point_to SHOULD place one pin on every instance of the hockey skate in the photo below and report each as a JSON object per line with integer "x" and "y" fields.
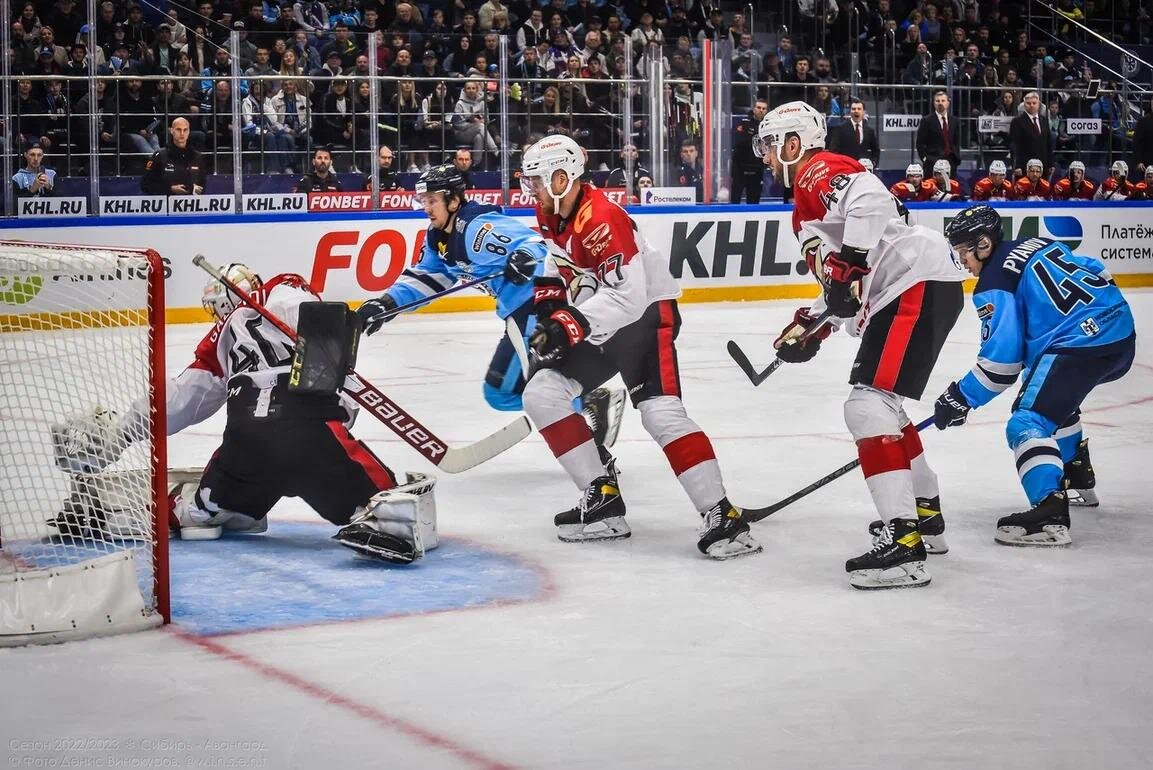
{"x": 194, "y": 523}
{"x": 930, "y": 523}
{"x": 724, "y": 534}
{"x": 603, "y": 409}
{"x": 600, "y": 515}
{"x": 1045, "y": 524}
{"x": 1080, "y": 479}
{"x": 896, "y": 561}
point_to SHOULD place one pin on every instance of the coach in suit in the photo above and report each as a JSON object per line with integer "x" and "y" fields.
{"x": 939, "y": 135}
{"x": 1029, "y": 137}
{"x": 854, "y": 137}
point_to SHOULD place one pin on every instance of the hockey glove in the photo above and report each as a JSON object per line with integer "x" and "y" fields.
{"x": 841, "y": 272}
{"x": 376, "y": 312}
{"x": 556, "y": 335}
{"x": 951, "y": 408}
{"x": 520, "y": 267}
{"x": 548, "y": 294}
{"x": 790, "y": 348}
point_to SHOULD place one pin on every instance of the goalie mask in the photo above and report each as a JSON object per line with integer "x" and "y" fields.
{"x": 219, "y": 300}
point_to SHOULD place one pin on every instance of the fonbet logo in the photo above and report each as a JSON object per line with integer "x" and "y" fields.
{"x": 15, "y": 290}
{"x": 1065, "y": 229}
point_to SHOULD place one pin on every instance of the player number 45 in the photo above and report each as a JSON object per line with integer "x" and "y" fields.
{"x": 1071, "y": 290}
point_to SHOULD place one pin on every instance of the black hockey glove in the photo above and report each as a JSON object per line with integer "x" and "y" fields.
{"x": 951, "y": 408}
{"x": 842, "y": 271}
{"x": 520, "y": 267}
{"x": 790, "y": 348}
{"x": 556, "y": 335}
{"x": 548, "y": 294}
{"x": 374, "y": 313}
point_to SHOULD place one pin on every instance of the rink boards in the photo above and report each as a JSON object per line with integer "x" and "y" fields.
{"x": 717, "y": 253}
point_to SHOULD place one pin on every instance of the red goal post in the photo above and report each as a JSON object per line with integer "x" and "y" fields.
{"x": 83, "y": 550}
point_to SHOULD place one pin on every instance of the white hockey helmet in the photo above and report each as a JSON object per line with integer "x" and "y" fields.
{"x": 1077, "y": 166}
{"x": 790, "y": 118}
{"x": 867, "y": 163}
{"x": 548, "y": 156}
{"x": 1035, "y": 163}
{"x": 914, "y": 169}
{"x": 1148, "y": 174}
{"x": 1120, "y": 167}
{"x": 997, "y": 167}
{"x": 942, "y": 167}
{"x": 219, "y": 300}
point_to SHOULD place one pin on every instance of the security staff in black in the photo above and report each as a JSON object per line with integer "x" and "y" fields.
{"x": 176, "y": 169}
{"x": 748, "y": 171}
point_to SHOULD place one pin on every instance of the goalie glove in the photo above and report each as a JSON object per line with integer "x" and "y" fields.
{"x": 789, "y": 346}
{"x": 842, "y": 271}
{"x": 557, "y": 334}
{"x": 88, "y": 443}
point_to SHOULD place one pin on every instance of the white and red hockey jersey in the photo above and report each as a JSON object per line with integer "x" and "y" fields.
{"x": 838, "y": 203}
{"x": 612, "y": 273}
{"x": 242, "y": 344}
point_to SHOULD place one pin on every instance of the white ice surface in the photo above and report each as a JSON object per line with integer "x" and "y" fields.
{"x": 645, "y": 655}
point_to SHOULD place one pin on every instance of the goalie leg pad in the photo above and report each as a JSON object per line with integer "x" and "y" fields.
{"x": 87, "y": 443}
{"x": 397, "y": 525}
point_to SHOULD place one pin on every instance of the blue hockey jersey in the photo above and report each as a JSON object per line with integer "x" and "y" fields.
{"x": 480, "y": 244}
{"x": 1035, "y": 295}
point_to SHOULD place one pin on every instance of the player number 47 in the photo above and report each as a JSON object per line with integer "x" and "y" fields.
{"x": 1070, "y": 291}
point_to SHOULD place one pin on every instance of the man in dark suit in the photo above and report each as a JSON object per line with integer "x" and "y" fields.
{"x": 748, "y": 171}
{"x": 854, "y": 137}
{"x": 939, "y": 135}
{"x": 1029, "y": 137}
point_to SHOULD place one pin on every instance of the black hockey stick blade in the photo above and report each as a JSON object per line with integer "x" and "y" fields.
{"x": 756, "y": 514}
{"x": 747, "y": 367}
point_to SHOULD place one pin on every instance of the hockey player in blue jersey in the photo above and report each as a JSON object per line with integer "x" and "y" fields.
{"x": 468, "y": 240}
{"x": 1060, "y": 318}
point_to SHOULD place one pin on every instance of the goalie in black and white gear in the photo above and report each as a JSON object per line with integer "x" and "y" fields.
{"x": 279, "y": 441}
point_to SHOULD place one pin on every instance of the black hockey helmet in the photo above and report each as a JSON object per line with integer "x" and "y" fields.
{"x": 445, "y": 178}
{"x": 966, "y": 228}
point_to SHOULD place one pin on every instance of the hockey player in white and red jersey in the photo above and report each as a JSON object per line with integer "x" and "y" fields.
{"x": 898, "y": 288}
{"x": 607, "y": 304}
{"x": 277, "y": 442}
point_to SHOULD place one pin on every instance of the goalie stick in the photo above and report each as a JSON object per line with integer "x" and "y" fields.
{"x": 756, "y": 514}
{"x": 396, "y": 419}
{"x": 750, "y": 371}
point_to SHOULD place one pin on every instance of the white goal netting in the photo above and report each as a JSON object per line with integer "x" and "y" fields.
{"x": 81, "y": 372}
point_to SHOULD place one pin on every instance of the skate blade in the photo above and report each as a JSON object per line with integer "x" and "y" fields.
{"x": 612, "y": 528}
{"x": 1051, "y": 536}
{"x": 742, "y": 545}
{"x": 935, "y": 544}
{"x": 909, "y": 575}
{"x": 1082, "y": 498}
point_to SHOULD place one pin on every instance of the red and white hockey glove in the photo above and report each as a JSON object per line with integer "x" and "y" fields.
{"x": 841, "y": 272}
{"x": 556, "y": 335}
{"x": 791, "y": 348}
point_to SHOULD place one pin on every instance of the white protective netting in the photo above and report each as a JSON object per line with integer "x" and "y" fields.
{"x": 81, "y": 366}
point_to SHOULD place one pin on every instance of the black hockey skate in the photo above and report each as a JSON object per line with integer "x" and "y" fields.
{"x": 896, "y": 561}
{"x": 724, "y": 534}
{"x": 1045, "y": 524}
{"x": 600, "y": 515}
{"x": 930, "y": 523}
{"x": 364, "y": 539}
{"x": 603, "y": 409}
{"x": 1080, "y": 479}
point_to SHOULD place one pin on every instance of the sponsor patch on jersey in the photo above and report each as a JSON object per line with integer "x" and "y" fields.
{"x": 597, "y": 240}
{"x": 1090, "y": 327}
{"x": 985, "y": 311}
{"x": 484, "y": 230}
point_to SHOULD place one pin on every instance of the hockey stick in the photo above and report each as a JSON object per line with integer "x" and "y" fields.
{"x": 514, "y": 336}
{"x": 434, "y": 297}
{"x": 400, "y": 422}
{"x": 756, "y": 514}
{"x": 750, "y": 371}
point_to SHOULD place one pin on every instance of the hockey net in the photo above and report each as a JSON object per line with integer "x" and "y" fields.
{"x": 83, "y": 543}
